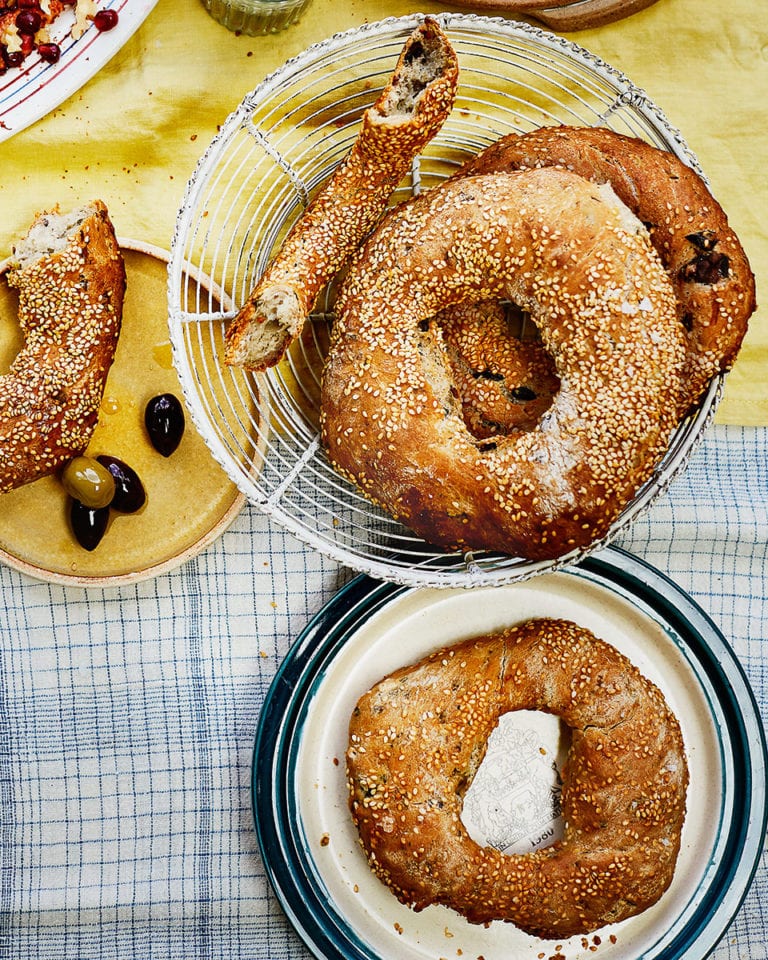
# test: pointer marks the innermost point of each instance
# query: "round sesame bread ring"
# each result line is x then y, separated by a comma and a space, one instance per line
571, 254
70, 277
417, 738
709, 270
407, 114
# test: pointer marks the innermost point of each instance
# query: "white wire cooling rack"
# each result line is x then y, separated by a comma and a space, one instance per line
255, 179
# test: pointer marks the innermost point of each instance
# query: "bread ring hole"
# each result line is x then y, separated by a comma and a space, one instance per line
514, 800
503, 377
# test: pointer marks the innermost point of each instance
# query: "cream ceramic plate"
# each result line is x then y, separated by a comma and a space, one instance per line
29, 92
309, 843
190, 501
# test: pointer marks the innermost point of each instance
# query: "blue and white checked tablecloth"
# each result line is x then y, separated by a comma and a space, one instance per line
127, 719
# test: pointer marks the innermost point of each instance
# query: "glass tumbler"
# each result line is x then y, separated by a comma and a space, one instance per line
256, 17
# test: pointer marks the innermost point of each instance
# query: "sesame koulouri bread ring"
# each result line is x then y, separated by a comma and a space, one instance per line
571, 254
70, 277
708, 268
418, 737
410, 110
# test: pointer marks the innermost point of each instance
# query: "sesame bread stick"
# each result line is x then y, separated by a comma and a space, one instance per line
405, 117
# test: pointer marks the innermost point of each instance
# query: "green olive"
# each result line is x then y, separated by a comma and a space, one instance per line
89, 481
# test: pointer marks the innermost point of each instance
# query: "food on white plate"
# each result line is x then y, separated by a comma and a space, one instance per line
417, 738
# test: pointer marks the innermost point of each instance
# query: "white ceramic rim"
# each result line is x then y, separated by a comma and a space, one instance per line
29, 92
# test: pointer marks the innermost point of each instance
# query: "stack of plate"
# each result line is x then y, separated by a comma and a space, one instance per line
309, 843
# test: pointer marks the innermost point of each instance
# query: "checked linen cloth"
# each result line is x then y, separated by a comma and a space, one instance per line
127, 720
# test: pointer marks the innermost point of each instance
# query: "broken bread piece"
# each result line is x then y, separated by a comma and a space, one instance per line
70, 278
407, 114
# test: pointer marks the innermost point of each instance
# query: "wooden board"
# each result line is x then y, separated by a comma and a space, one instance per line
567, 14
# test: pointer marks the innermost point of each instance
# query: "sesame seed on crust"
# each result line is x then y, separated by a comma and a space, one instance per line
708, 268
504, 383
407, 114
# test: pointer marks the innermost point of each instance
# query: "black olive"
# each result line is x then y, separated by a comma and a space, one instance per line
164, 419
130, 495
89, 524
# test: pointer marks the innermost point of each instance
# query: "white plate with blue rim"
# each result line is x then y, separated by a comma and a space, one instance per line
308, 841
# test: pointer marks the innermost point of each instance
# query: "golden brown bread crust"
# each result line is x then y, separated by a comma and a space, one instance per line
70, 310
713, 282
404, 118
571, 254
418, 737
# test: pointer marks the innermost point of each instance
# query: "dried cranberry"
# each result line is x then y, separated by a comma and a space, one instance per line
49, 52
14, 59
29, 21
105, 20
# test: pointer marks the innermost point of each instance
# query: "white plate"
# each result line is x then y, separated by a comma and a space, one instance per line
32, 90
309, 843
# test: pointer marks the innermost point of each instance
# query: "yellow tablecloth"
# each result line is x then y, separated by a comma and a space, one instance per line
134, 133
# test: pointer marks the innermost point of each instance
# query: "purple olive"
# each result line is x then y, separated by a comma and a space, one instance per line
89, 524
164, 420
130, 494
